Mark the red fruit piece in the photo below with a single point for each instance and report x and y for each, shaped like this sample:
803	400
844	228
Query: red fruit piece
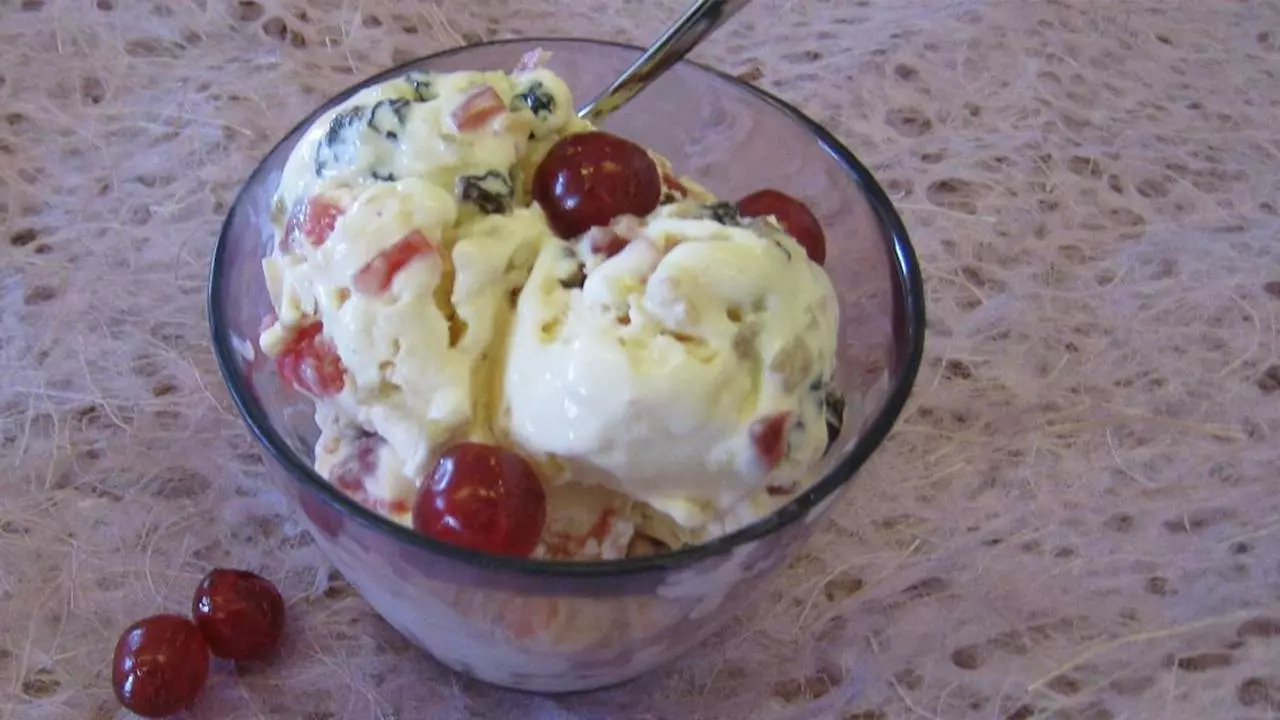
792	215
312	220
602	526
671	185
614	245
588	179
160	665
482	497
478	108
605	241
311	364
240	614
769	436
376	275
565	545
351	474
391	508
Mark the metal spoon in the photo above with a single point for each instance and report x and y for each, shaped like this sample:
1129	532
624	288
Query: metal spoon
700	20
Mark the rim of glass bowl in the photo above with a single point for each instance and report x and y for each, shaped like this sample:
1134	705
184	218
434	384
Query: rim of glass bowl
909	306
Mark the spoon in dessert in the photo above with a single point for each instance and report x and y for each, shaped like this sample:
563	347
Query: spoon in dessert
699	21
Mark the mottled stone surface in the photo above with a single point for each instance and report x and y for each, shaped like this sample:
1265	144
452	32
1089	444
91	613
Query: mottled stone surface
1076	518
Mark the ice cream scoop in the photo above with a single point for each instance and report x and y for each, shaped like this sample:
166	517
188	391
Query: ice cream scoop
688	371
461	262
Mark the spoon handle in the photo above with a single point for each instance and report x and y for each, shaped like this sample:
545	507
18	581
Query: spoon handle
702	17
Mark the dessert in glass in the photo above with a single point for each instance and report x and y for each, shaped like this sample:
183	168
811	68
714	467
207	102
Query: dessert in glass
555	398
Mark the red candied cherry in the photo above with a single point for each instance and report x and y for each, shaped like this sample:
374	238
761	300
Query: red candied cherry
312	220
160	665
310	362
769	437
240	614
794	217
482	497
587	179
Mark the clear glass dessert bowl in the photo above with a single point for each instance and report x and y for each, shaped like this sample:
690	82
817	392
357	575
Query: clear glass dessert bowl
556	626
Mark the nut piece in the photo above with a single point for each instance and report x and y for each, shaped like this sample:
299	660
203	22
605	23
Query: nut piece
792	364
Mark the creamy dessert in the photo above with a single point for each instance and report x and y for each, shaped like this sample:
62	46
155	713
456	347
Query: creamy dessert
529	337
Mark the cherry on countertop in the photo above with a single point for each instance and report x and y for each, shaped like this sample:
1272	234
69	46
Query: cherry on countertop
240	614
160	665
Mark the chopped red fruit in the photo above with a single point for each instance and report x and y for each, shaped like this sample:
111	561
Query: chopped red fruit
769	436
794	217
392	507
484	498
312	221
588	179
482	105
671	184
561	545
603	525
376	275
352	472
160	666
240	614
311	364
565	545
604	241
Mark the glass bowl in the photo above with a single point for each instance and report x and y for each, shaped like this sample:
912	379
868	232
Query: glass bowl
561	626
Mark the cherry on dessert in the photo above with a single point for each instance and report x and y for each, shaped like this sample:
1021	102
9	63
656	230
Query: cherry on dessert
794	217
604	241
482	497
587	179
769	437
160	665
312	220
310	362
240	614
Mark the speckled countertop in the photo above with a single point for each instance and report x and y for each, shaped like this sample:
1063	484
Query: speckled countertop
1076	518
